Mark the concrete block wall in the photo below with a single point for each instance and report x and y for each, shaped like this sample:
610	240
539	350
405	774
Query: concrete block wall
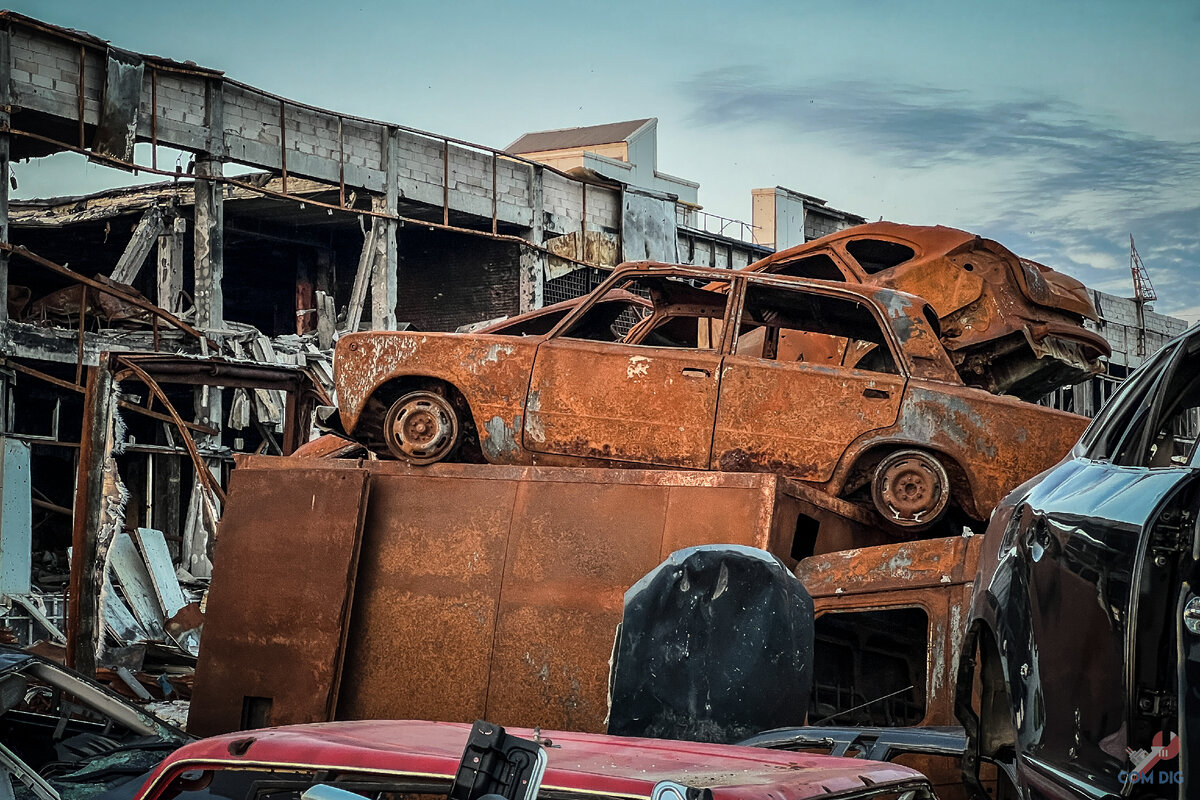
562	199
46	79
1119	326
817	224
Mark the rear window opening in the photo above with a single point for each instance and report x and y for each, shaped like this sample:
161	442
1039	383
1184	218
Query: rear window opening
876	255
819	267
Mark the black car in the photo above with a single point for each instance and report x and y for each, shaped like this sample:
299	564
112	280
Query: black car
1079	669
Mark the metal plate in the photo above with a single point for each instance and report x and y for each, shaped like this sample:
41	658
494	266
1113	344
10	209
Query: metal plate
277	612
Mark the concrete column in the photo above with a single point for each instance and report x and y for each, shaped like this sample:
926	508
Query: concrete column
209	246
170	266
533	262
385	282
209	231
5	119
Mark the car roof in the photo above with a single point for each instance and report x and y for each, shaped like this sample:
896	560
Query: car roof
614	765
929	241
878	294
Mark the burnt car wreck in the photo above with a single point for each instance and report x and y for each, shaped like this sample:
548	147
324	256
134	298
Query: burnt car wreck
63	737
1010	325
732	372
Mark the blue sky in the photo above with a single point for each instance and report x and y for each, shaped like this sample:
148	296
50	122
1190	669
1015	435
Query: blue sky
1055	127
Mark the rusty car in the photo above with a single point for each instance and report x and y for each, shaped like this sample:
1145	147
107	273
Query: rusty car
1011	325
1078	675
845	387
416	760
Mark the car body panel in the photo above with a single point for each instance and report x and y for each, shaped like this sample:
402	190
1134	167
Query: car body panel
588	764
652	405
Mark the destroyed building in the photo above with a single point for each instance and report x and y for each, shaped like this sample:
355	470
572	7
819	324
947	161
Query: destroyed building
218	291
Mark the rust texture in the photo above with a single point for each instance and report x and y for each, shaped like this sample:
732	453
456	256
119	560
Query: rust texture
1012	326
817	381
501	604
278	606
934	575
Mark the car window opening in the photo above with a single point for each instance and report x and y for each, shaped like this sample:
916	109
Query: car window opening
680	315
1172	442
786	325
869	668
819	267
876	255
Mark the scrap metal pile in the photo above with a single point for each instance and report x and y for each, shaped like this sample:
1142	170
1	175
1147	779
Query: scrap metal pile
808	501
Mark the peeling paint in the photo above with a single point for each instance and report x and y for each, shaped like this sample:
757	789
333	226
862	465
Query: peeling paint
639	367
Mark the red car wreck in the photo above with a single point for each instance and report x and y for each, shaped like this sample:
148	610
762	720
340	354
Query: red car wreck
1010	325
410	760
845	387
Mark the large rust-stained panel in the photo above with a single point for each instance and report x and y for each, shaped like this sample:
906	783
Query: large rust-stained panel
574	550
495	592
426	596
277	610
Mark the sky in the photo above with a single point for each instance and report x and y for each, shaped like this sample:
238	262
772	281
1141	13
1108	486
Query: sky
1058	128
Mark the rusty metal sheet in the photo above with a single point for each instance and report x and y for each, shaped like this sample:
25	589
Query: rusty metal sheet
503	603
280	599
426	595
900	566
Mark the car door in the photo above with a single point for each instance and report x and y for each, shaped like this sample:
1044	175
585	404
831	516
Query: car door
1162	643
808	374
650	397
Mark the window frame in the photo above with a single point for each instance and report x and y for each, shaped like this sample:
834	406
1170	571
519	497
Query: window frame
883	606
890	339
854	263
733	298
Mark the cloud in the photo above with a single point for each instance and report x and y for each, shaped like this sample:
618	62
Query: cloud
1070	185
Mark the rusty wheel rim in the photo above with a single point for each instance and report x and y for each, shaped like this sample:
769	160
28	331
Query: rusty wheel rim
421	428
910	489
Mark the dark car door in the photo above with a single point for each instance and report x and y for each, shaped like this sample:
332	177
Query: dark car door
1105	540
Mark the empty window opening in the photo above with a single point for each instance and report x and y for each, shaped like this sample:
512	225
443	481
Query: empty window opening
869	668
819	267
790	325
876	255
679	315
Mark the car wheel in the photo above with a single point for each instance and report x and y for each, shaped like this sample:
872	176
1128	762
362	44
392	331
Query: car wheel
421	428
910	489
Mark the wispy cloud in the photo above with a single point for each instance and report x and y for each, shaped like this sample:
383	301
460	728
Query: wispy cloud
1081	181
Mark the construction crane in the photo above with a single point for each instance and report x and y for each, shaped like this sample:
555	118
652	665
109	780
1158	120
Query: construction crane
1143	292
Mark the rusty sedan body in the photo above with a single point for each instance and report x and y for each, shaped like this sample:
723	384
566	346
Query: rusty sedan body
846	387
1011	325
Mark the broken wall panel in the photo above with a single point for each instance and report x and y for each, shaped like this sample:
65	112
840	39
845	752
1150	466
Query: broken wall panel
277	609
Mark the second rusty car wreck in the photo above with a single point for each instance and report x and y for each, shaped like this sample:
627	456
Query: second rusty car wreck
845	387
1010	325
